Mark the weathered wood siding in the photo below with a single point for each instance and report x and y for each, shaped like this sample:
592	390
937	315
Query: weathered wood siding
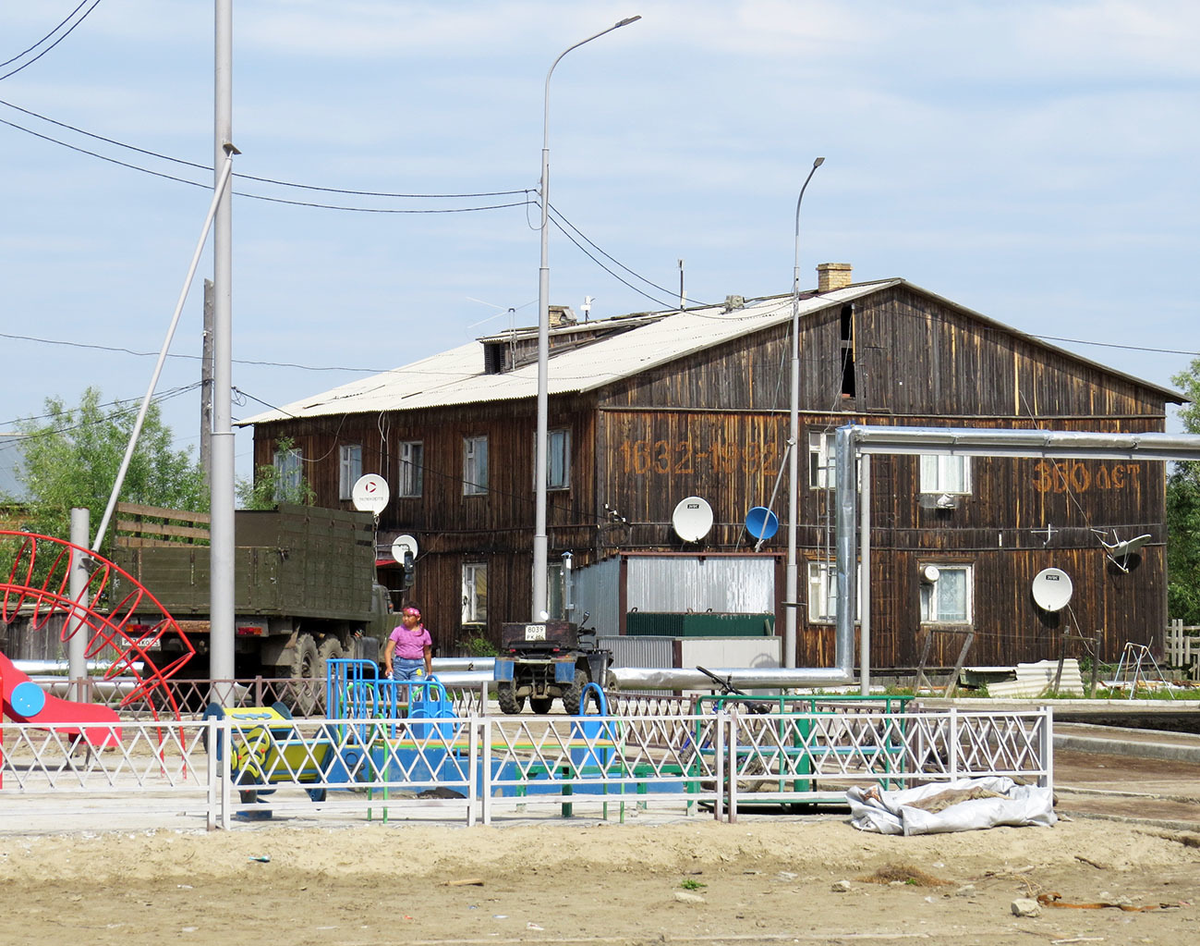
715	424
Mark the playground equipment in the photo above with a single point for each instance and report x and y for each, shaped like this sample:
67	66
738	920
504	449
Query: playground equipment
371	739
26	702
37	586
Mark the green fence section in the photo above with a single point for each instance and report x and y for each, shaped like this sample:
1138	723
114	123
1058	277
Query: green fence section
698	624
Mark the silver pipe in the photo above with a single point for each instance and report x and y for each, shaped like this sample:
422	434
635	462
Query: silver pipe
688	678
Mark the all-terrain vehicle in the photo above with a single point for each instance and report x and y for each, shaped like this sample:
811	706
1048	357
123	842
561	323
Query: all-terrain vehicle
548	660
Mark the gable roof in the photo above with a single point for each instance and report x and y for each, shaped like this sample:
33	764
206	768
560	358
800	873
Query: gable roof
458	376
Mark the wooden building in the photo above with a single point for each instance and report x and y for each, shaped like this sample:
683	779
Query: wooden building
648	409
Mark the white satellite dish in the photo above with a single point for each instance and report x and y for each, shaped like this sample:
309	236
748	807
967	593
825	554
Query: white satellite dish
930	573
370	493
692	519
1052	589
402	544
1122	548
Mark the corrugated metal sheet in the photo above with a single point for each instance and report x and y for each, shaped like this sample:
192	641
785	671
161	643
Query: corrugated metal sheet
755	652
597	592
641	651
457	376
737	584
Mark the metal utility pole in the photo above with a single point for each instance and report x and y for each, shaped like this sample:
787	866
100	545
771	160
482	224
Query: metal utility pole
76	629
221	604
206	386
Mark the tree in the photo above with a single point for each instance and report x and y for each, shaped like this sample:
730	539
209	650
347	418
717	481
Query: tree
271	486
72	456
1183	513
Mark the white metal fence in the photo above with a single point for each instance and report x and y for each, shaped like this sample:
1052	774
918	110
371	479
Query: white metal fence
222	771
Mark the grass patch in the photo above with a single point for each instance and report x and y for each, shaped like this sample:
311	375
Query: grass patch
904	874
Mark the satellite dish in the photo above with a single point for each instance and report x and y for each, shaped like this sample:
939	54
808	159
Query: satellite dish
370	493
1052	589
1126	547
930	573
692	519
402	544
761	522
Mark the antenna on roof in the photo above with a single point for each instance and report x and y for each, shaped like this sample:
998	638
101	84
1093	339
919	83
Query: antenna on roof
587	306
682	294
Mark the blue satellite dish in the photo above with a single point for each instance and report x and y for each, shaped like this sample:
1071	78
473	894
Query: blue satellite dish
761	522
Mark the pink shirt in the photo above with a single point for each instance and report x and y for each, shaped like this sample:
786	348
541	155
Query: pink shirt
410	645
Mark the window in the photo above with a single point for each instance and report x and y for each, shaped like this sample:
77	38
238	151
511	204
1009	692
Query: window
475	466
822	460
288	474
474	593
942	474
412	467
555	574
822	593
947	598
821	472
350	469
558	459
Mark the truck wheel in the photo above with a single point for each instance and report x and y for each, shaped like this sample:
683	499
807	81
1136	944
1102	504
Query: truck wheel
506	696
570	697
331	649
306	696
541	704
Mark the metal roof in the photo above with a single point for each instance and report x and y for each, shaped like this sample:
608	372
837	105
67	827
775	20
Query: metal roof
457	376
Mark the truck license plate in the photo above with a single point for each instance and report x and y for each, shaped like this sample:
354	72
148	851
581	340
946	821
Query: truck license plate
535	632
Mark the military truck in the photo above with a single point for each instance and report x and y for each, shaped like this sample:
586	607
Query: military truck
547	660
304	585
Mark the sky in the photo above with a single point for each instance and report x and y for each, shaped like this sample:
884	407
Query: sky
1033	161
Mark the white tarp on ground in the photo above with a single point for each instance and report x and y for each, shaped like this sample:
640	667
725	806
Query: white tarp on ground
963	805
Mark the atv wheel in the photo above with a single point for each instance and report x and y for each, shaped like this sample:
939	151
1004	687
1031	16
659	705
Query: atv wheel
570	697
506	696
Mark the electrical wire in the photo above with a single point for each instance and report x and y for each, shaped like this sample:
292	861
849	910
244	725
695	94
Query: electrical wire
116	412
616	276
26	65
246	177
561	218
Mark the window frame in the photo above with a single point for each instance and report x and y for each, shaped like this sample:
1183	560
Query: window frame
928	599
411	481
822	573
940	476
474	460
473	613
289	471
349	468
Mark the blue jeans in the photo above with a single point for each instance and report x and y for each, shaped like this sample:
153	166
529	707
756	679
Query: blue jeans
406	669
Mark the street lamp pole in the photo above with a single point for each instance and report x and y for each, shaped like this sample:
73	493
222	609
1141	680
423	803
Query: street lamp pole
792	576
540	542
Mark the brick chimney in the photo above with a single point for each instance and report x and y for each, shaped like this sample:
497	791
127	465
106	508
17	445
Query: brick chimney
832	276
561	315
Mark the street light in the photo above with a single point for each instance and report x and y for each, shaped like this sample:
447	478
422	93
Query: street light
540	544
792	578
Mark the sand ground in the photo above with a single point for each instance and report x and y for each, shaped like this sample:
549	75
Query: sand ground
763	880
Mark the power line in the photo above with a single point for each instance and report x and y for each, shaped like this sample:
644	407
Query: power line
26	65
625	282
607	256
154	354
247	177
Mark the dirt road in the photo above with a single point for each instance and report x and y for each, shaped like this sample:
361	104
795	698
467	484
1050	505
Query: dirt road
762	881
